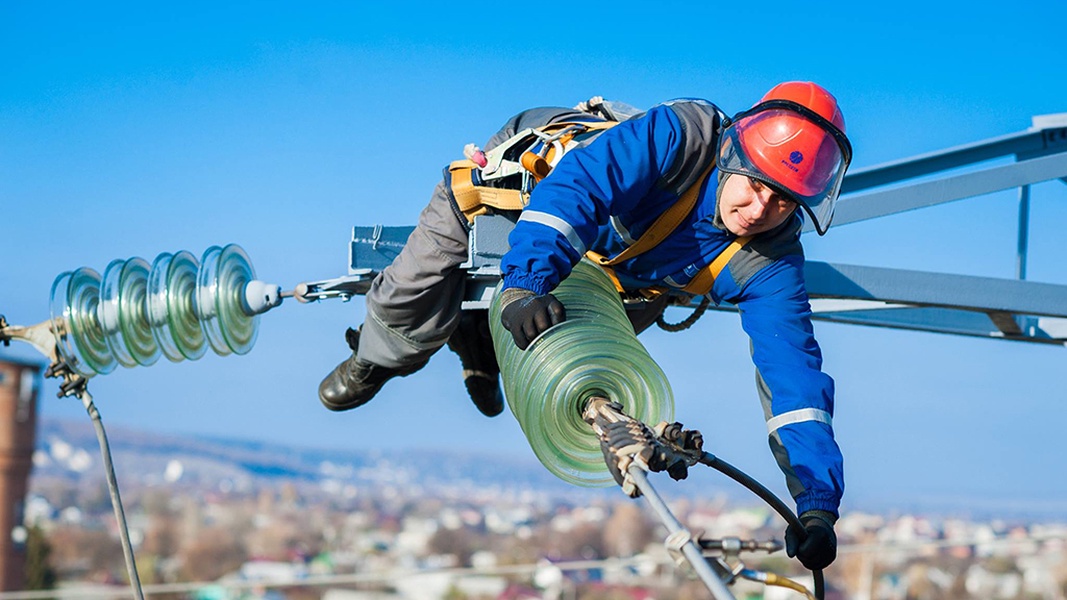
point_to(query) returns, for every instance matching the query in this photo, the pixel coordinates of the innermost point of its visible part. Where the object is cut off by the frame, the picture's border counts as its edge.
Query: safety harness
(486, 181)
(662, 227)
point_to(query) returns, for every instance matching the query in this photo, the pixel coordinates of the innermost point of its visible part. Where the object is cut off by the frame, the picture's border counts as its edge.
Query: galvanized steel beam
(944, 290)
(854, 208)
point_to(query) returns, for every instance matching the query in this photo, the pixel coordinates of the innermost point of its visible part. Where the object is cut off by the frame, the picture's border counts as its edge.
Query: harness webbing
(474, 200)
(702, 282)
(662, 227)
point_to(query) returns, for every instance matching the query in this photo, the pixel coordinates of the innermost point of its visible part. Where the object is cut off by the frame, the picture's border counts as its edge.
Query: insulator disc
(133, 312)
(64, 338)
(181, 306)
(234, 272)
(108, 313)
(157, 310)
(74, 302)
(206, 300)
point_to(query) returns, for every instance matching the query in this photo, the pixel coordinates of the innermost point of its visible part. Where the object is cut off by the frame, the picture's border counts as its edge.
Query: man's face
(748, 206)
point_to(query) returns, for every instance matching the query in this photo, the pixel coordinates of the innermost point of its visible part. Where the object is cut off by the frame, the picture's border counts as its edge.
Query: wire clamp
(674, 544)
(73, 384)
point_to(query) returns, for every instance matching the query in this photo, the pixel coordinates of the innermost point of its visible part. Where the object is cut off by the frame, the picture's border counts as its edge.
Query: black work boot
(481, 375)
(354, 382)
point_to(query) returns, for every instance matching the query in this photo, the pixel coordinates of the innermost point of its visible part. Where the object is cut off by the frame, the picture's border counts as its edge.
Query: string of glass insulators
(593, 353)
(175, 307)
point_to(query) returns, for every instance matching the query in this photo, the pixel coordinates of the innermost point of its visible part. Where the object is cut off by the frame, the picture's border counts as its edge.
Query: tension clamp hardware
(674, 544)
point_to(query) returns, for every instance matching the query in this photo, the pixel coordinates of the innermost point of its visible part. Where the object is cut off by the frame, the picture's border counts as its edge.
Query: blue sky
(131, 129)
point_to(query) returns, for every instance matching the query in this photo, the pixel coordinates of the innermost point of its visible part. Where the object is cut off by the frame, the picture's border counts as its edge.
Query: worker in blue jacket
(746, 178)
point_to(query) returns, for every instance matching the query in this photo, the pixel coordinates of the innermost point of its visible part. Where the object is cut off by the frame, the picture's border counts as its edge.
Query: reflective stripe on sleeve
(622, 231)
(798, 416)
(563, 227)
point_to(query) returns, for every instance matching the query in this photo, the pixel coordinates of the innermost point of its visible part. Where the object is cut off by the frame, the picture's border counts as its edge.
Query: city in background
(222, 518)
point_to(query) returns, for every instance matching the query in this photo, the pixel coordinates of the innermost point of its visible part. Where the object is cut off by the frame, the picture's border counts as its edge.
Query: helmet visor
(792, 149)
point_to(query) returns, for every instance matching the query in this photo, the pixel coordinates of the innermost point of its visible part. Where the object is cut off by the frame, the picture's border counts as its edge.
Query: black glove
(819, 549)
(527, 315)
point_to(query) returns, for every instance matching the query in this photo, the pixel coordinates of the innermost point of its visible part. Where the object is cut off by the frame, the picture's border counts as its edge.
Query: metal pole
(1024, 231)
(1022, 250)
(690, 549)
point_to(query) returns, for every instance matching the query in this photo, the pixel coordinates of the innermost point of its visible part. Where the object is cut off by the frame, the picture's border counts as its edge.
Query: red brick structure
(18, 429)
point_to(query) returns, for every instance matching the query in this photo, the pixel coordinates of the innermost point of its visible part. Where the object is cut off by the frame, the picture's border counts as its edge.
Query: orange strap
(659, 230)
(664, 225)
(474, 200)
(599, 259)
(645, 293)
(703, 280)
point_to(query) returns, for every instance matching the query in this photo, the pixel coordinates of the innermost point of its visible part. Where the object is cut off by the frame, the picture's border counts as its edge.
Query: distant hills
(69, 449)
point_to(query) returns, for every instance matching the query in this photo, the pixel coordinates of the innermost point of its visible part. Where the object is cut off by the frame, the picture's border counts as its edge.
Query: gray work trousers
(413, 305)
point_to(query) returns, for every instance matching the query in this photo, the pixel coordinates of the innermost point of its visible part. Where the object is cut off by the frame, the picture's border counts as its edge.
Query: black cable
(686, 323)
(767, 496)
(116, 501)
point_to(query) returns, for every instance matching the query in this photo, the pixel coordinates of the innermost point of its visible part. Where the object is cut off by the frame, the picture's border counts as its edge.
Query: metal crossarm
(1048, 134)
(861, 207)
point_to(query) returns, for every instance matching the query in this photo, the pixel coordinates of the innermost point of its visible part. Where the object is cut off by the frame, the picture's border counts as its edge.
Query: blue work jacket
(603, 196)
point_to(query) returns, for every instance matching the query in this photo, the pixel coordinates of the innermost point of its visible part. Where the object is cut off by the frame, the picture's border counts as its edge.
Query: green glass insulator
(224, 275)
(234, 272)
(206, 295)
(133, 312)
(157, 310)
(74, 303)
(123, 313)
(593, 352)
(57, 307)
(109, 313)
(181, 306)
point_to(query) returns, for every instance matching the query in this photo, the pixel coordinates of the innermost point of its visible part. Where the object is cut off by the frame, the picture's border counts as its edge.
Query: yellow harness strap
(587, 125)
(646, 293)
(599, 259)
(700, 284)
(703, 280)
(473, 200)
(659, 230)
(663, 226)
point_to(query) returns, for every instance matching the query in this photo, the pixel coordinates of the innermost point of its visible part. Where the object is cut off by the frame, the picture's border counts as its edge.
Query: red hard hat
(813, 96)
(789, 148)
(793, 138)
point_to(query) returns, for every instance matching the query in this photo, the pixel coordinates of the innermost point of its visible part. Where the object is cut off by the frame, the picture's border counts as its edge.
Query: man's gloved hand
(819, 549)
(527, 315)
